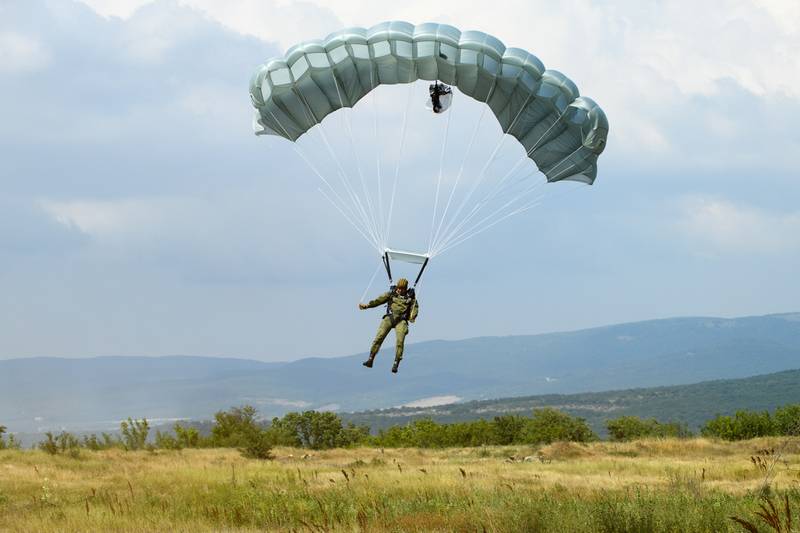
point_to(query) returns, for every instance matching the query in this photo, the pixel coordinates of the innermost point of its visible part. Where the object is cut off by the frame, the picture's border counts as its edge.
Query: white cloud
(110, 219)
(640, 61)
(116, 8)
(720, 226)
(22, 53)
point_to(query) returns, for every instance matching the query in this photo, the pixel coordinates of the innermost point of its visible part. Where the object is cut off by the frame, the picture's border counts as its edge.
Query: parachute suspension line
(482, 174)
(376, 140)
(528, 154)
(349, 127)
(460, 173)
(543, 135)
(369, 285)
(351, 208)
(358, 209)
(487, 223)
(302, 155)
(399, 159)
(498, 187)
(501, 186)
(488, 226)
(456, 236)
(565, 158)
(367, 196)
(535, 202)
(369, 240)
(348, 186)
(439, 182)
(346, 180)
(463, 162)
(471, 232)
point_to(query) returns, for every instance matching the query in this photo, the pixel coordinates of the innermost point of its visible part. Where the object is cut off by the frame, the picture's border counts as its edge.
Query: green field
(649, 485)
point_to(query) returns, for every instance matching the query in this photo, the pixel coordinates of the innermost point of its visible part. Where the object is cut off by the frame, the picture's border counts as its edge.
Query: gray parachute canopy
(561, 131)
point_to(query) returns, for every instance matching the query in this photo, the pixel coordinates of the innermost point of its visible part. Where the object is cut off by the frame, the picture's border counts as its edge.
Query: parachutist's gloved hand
(362, 306)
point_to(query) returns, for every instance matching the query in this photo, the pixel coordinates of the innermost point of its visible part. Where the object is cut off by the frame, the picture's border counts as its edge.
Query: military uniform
(402, 308)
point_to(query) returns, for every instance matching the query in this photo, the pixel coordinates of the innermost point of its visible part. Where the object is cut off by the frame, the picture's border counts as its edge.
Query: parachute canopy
(561, 131)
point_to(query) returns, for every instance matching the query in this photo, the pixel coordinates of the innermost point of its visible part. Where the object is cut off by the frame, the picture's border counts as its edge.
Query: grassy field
(667, 485)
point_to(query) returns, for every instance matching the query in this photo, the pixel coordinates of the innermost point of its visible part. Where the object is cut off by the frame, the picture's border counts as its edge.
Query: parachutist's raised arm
(380, 300)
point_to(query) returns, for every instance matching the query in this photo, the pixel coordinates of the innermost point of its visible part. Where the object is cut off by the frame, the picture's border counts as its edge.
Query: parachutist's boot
(394, 366)
(368, 362)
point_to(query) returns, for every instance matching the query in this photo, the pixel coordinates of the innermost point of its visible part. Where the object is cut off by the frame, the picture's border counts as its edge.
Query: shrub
(165, 441)
(631, 428)
(11, 444)
(235, 428)
(104, 442)
(63, 443)
(187, 437)
(258, 446)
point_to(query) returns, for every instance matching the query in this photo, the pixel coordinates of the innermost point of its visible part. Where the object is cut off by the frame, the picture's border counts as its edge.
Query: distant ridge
(692, 404)
(95, 393)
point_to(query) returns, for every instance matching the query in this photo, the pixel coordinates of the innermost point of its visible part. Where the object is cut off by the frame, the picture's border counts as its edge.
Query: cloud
(22, 53)
(720, 226)
(116, 8)
(642, 62)
(27, 230)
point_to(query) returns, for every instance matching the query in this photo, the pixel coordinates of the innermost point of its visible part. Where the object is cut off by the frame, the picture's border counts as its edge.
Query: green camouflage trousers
(400, 332)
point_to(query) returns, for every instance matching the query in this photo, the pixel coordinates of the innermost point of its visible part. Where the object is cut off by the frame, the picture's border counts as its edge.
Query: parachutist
(402, 307)
(437, 90)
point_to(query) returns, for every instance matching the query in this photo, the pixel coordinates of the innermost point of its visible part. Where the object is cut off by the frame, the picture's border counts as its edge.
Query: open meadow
(647, 485)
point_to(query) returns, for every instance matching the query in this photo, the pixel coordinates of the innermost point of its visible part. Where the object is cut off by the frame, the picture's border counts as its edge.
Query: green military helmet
(402, 283)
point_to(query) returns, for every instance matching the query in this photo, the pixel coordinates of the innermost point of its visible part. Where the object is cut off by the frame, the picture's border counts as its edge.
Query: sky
(139, 215)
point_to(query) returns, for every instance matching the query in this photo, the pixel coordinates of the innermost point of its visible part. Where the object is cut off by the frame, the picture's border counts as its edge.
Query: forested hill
(38, 394)
(692, 404)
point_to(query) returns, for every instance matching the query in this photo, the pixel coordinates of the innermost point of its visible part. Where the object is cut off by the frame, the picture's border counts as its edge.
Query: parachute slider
(405, 257)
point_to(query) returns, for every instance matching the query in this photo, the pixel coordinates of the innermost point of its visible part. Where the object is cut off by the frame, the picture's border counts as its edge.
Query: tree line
(240, 427)
(785, 421)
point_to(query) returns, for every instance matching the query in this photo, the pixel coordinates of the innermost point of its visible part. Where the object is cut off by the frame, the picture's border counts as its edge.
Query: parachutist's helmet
(402, 284)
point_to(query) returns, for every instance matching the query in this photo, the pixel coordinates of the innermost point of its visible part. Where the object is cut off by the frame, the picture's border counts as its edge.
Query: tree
(237, 428)
(787, 420)
(234, 427)
(11, 444)
(134, 433)
(508, 429)
(549, 425)
(743, 425)
(316, 430)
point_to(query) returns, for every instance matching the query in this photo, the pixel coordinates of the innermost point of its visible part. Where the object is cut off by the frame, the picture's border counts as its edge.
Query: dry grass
(648, 485)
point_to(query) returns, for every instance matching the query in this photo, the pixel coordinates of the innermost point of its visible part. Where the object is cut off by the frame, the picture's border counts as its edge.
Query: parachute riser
(387, 266)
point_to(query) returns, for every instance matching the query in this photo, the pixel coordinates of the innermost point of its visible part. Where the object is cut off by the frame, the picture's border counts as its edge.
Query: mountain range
(44, 393)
